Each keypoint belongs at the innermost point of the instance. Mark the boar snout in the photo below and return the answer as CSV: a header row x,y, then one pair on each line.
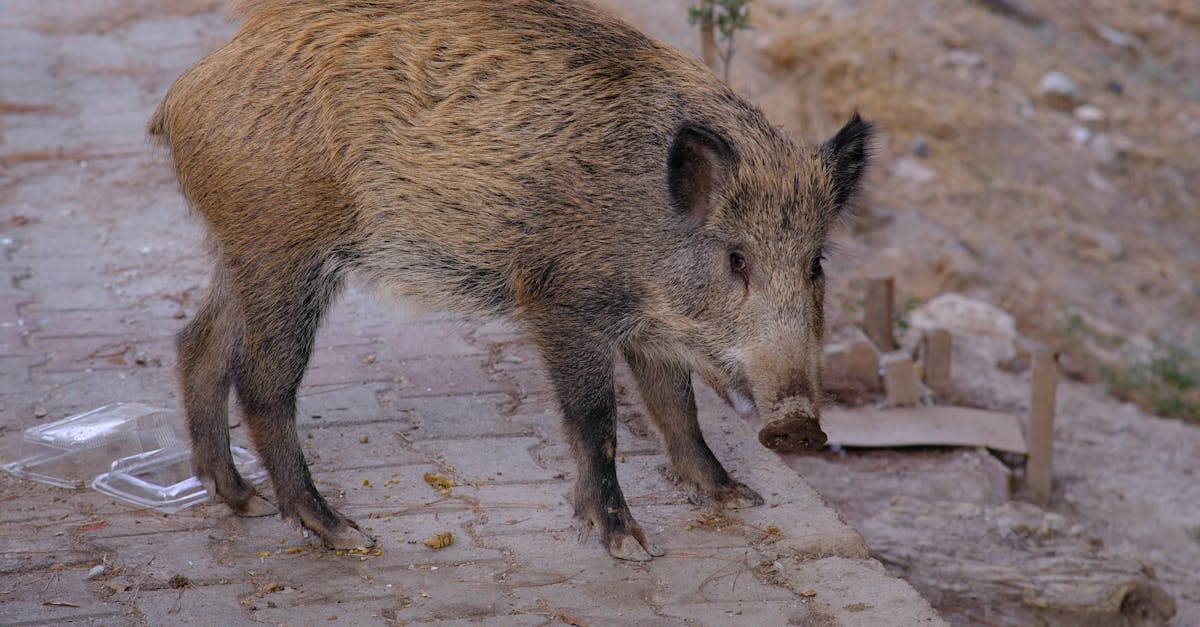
x,y
792,428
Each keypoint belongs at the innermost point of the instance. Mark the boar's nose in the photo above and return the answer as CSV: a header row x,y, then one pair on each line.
x,y
794,435
793,428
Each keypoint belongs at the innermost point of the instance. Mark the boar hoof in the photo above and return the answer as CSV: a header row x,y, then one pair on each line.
x,y
737,496
347,538
635,546
793,435
246,504
345,535
629,548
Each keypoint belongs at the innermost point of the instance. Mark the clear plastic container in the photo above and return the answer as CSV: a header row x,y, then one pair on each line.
x,y
70,452
163,479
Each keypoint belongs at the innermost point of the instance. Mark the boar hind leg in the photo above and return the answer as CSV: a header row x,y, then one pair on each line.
x,y
667,392
282,306
582,373
206,349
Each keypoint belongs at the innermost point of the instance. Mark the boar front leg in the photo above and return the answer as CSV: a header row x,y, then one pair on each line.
x,y
667,393
582,371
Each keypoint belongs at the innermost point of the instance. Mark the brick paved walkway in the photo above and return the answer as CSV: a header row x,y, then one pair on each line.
x,y
99,266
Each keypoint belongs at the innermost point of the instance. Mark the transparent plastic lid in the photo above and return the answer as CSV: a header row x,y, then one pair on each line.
x,y
162,479
68,453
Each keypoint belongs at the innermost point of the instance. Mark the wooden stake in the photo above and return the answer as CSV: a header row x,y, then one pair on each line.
x,y
937,361
1041,424
880,307
900,380
863,361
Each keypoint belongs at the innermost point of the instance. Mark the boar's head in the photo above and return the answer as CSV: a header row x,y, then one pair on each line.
x,y
747,300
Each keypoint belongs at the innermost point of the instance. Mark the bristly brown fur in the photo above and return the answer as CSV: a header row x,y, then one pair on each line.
x,y
538,159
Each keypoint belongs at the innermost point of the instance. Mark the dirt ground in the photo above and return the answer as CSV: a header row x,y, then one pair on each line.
x,y
1078,215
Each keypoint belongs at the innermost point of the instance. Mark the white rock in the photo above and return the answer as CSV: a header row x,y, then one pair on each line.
x,y
978,326
1089,113
909,169
963,314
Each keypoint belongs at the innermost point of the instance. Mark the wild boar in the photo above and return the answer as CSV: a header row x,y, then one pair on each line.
x,y
537,159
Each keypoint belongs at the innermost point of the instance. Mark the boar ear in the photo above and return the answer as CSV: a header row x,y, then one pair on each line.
x,y
699,167
846,155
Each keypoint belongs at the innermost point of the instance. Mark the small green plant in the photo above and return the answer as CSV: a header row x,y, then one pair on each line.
x,y
724,17
1168,383
902,316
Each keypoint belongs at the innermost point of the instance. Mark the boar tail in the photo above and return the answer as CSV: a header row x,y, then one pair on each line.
x,y
158,123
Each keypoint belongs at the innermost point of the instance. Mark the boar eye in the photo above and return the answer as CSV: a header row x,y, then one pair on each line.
x,y
739,266
817,271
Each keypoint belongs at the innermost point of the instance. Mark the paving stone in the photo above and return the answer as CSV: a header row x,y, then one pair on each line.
x,y
531,508
790,611
342,447
345,404
507,459
458,416
600,591
437,376
196,604
468,592
715,576
56,598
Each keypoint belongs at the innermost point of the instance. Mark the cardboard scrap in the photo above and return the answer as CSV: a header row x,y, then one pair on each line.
x,y
924,426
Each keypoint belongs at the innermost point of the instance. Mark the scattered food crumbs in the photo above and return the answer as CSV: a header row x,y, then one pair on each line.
x,y
809,593
439,540
264,553
292,550
362,439
272,587
570,620
622,459
366,482
439,482
773,530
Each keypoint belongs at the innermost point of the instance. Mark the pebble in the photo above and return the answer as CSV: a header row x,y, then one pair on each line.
x,y
1080,134
1059,90
1089,113
919,147
95,572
